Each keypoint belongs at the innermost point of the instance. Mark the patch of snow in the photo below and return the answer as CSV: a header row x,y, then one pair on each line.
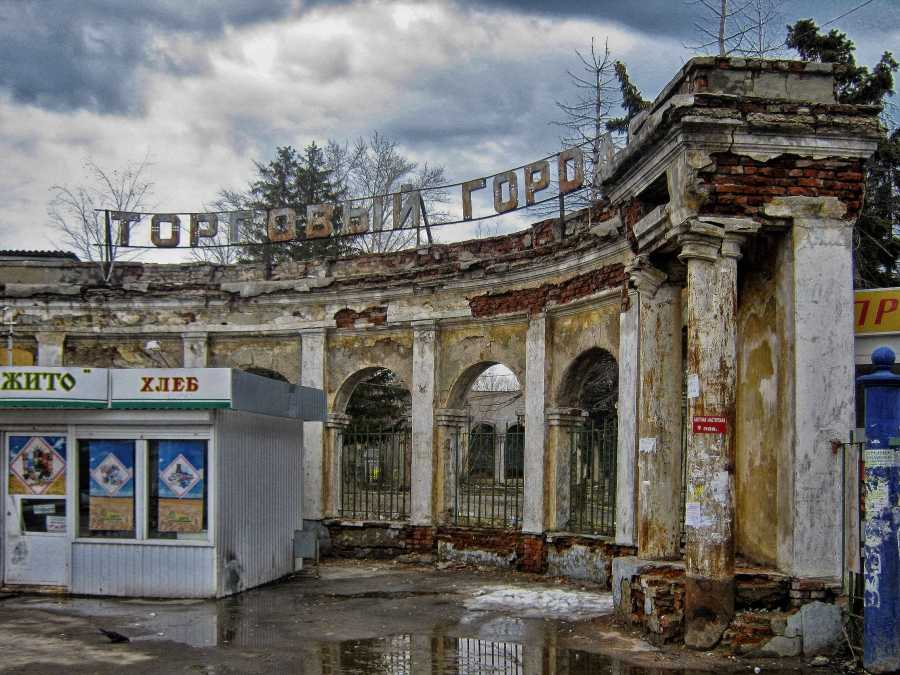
x,y
542,603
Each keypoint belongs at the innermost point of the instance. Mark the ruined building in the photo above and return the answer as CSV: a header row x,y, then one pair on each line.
x,y
716,275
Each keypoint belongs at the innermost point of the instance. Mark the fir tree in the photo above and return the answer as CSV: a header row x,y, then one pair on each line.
x,y
632,101
295,181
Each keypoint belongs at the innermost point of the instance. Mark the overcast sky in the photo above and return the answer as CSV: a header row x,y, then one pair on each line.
x,y
207,86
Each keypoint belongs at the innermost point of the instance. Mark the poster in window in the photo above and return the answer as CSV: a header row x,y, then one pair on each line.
x,y
182,469
112,485
37,465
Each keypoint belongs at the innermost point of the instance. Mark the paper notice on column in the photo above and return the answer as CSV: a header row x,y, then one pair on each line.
x,y
695,516
693,385
647,445
719,486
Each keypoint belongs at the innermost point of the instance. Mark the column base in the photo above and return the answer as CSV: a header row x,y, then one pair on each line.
x,y
708,610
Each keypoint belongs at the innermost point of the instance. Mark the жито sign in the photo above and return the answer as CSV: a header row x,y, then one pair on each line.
x,y
53,387
709,424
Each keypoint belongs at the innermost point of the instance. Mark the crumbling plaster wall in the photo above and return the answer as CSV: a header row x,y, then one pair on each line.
x,y
574,331
763,393
102,352
463,346
280,354
350,352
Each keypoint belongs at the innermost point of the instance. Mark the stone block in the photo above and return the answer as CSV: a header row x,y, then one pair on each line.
x,y
782,646
822,627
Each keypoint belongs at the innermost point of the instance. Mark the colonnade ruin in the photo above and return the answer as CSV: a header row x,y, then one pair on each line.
x,y
716,276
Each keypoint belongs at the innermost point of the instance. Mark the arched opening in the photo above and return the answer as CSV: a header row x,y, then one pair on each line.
x,y
591,385
374,445
488,453
379,402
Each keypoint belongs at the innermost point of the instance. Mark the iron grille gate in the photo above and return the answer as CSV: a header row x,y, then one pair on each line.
x,y
375,471
488,467
592,487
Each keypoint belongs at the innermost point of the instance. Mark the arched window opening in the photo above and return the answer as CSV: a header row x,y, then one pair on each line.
x,y
591,386
488,453
375,449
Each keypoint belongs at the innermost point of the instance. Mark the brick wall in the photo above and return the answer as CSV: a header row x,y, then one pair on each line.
x,y
378,540
373,316
742,185
534,300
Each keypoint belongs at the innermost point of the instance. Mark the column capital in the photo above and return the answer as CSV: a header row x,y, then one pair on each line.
x,y
337,421
645,277
731,245
50,337
312,332
699,247
422,325
194,335
565,417
450,417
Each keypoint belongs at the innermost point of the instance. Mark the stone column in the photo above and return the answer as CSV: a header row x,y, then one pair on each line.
x,y
561,422
312,374
50,348
626,452
535,395
422,476
820,285
336,424
711,258
195,350
450,423
659,414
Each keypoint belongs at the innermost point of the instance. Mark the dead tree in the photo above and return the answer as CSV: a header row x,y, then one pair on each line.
x,y
585,117
79,212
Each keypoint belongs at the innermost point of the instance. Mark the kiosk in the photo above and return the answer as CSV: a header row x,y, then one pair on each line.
x,y
153,483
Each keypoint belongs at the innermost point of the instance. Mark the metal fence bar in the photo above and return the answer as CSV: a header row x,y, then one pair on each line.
x,y
486,494
592,485
374,475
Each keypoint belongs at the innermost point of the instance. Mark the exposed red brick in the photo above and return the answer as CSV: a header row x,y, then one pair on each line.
x,y
534,300
347,318
746,192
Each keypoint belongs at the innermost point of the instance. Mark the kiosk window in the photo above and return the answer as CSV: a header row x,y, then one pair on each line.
x,y
177,489
44,515
106,488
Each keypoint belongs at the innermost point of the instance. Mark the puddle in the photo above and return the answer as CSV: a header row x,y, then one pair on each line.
x,y
398,622
409,654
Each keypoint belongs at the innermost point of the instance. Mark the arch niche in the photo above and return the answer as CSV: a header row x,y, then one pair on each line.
x,y
586,443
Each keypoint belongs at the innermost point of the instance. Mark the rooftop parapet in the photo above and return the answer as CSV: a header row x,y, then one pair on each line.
x,y
765,97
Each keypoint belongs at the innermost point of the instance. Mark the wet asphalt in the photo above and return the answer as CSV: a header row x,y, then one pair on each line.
x,y
350,617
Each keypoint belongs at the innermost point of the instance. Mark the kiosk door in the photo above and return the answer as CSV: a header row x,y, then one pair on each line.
x,y
37,548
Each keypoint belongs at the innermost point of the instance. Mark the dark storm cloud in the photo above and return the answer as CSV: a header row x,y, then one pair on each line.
x,y
667,17
88,54
85,54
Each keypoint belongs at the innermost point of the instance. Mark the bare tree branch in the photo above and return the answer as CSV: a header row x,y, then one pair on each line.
x,y
77,212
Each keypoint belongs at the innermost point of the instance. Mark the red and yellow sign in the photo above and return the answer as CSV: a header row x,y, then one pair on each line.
x,y
877,311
